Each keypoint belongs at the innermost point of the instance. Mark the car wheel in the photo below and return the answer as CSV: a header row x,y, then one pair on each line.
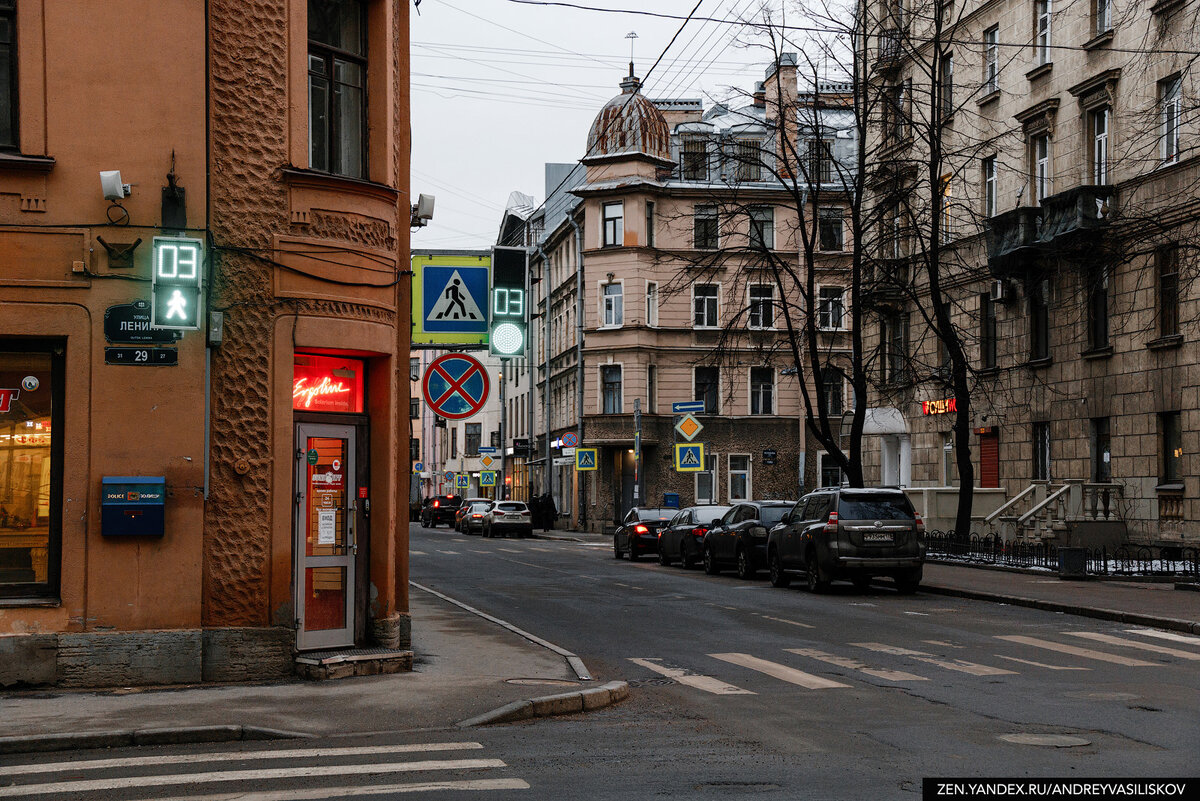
x,y
710,563
817,580
745,564
616,549
633,554
487,532
775,569
861,583
686,560
663,559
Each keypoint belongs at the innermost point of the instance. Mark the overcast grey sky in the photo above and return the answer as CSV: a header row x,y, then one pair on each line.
x,y
499,88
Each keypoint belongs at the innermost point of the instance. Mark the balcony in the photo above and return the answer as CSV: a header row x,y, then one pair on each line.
x,y
889,53
886,281
1060,226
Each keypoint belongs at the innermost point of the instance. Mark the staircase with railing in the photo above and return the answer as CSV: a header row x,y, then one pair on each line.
x,y
1049,511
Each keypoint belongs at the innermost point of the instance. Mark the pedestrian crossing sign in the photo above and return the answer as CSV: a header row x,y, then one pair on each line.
x,y
689,457
585,459
450,299
464,481
487,478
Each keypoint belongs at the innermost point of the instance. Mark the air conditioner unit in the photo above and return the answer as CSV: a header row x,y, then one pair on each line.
x,y
1000,291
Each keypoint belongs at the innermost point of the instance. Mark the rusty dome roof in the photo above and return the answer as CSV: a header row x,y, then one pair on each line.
x,y
629,124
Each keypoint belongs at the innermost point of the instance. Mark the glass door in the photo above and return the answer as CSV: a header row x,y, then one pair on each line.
x,y
325,536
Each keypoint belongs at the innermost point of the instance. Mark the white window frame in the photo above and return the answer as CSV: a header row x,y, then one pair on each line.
x,y
1102,17
757,306
824,313
768,243
620,392
1099,122
821,457
652,304
1170,108
730,473
617,238
717,313
1043,181
1043,11
751,390
612,306
991,60
989,186
712,463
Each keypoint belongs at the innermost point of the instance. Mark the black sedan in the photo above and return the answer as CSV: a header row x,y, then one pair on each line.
x,y
741,538
638,533
683,538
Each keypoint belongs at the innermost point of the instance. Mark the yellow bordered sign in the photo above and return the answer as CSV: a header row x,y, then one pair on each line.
x,y
487,478
586,459
689,457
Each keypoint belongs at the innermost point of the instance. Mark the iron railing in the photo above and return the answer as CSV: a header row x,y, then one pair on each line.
x,y
1124,560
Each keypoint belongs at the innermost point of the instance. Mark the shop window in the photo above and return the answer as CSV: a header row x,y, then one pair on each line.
x,y
31,465
337,86
327,384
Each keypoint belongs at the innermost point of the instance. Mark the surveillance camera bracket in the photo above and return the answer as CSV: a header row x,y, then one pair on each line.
x,y
119,255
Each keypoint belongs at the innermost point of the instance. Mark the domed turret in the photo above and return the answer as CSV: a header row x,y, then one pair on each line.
x,y
629,125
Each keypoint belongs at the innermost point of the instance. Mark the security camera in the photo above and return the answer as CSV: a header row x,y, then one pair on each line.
x,y
425,207
111,185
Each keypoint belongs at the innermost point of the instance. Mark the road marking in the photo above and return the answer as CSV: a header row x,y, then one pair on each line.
x,y
508,550
706,683
962,666
789,622
1165,635
781,672
922,614
542,550
449,553
1145,646
854,664
417,553
359,790
1041,664
942,644
235,756
212,777
1087,653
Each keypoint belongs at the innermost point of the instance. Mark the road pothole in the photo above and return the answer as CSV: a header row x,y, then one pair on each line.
x,y
544,682
1047,740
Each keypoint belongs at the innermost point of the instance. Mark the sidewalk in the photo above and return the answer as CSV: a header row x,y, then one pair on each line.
x,y
1151,603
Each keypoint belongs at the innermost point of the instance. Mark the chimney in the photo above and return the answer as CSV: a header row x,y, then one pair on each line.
x,y
760,95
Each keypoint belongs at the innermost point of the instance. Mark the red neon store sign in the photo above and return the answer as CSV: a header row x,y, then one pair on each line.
x,y
327,384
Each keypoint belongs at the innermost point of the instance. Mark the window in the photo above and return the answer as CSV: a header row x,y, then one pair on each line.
x,y
991,60
1101,451
893,341
949,460
707,388
1170,105
454,442
1041,36
614,224
31,465
895,111
705,228
414,408
337,85
649,223
989,186
706,481
414,369
947,209
1039,319
1098,153
762,228
829,223
1097,309
749,160
8,76
947,86
739,478
1101,16
610,381
1040,163
614,305
1171,435
831,471
494,438
651,388
831,382
830,308
762,306
820,161
471,437
1041,451
414,449
1167,268
704,305
693,156
651,303
987,332
762,390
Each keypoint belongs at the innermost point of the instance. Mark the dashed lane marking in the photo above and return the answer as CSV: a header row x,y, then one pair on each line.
x,y
1165,635
1145,646
960,665
706,683
508,550
789,622
781,672
358,790
417,553
1040,664
449,553
854,664
1087,653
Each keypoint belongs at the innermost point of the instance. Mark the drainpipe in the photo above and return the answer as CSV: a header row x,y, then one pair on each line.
x,y
579,354
548,479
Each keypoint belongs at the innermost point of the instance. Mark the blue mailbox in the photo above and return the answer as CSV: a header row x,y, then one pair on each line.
x,y
133,506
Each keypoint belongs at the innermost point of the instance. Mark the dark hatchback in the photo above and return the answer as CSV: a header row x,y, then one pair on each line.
x,y
741,538
440,509
854,534
683,538
638,532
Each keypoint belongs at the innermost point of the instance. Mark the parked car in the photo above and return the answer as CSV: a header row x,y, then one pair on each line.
x,y
740,539
440,509
683,537
469,516
503,517
855,534
638,532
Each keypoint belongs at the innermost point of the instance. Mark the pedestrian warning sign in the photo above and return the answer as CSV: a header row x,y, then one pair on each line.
x,y
487,478
689,457
454,303
450,299
585,459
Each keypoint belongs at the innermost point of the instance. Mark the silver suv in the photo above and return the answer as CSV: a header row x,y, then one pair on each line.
x,y
846,533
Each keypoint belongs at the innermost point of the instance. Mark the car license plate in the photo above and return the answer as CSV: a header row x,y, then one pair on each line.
x,y
878,536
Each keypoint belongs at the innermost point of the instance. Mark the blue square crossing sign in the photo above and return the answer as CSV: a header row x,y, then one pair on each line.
x,y
689,457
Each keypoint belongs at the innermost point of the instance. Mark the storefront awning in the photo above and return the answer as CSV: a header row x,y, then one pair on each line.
x,y
884,420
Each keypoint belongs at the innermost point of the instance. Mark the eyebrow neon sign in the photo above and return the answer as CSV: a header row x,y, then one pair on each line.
x,y
328,384
942,406
303,390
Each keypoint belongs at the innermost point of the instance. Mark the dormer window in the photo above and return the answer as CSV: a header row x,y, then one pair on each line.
x,y
749,160
693,158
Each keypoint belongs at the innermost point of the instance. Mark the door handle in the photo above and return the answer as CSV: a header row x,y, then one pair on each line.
x,y
351,533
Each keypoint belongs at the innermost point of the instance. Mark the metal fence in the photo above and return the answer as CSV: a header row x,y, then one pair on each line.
x,y
1125,560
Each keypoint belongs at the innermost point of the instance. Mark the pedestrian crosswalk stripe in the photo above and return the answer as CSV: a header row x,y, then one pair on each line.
x,y
854,664
1040,664
213,777
417,553
449,553
358,790
960,665
508,550
1075,651
789,622
706,683
235,756
781,672
1165,635
1145,646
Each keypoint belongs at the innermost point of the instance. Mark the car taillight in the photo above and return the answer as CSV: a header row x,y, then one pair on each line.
x,y
525,513
920,523
831,524
476,515
699,532
641,529
436,504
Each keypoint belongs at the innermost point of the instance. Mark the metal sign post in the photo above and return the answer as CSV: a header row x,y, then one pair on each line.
x,y
637,451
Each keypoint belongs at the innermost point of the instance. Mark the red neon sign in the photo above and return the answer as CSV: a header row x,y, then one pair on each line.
x,y
7,396
327,384
943,406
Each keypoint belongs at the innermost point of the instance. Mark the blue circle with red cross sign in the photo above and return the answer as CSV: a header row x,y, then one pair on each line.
x,y
455,386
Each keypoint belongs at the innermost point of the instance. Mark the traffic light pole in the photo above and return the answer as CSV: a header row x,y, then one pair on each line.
x,y
503,483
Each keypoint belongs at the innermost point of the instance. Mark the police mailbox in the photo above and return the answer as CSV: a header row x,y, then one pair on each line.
x,y
133,506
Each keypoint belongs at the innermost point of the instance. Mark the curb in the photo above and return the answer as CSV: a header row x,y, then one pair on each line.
x,y
177,735
549,705
1173,624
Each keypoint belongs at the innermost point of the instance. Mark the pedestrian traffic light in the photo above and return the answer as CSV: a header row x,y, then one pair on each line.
x,y
509,319
176,279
